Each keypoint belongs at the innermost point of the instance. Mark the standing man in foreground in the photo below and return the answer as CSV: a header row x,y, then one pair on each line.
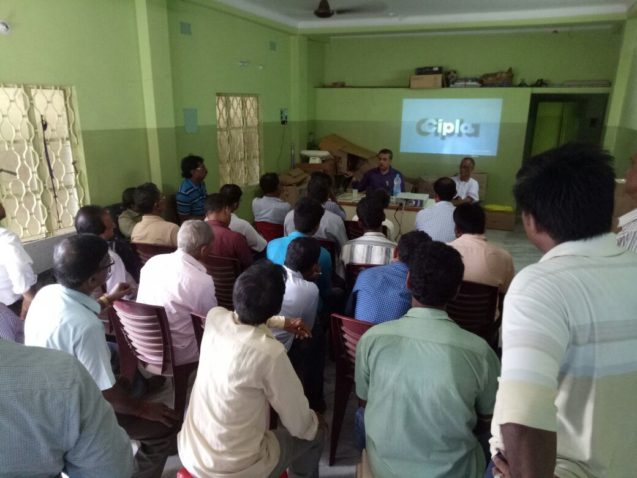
x,y
381,177
565,405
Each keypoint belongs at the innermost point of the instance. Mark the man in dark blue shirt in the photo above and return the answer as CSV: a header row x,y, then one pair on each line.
x,y
192,191
381,177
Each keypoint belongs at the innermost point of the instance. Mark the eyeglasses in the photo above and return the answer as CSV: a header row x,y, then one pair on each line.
x,y
108,267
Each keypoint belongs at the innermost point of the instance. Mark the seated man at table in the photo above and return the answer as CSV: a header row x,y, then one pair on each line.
x,y
484,262
372,247
437,220
179,283
381,177
380,293
227,243
63,316
270,208
331,227
243,369
256,242
307,217
467,188
153,229
426,378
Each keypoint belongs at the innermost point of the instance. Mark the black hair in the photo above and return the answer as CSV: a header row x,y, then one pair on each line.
x,y
386,151
269,183
569,191
302,254
258,292
146,196
469,218
216,202
77,258
370,213
470,159
189,163
409,242
435,273
128,198
232,192
307,215
319,186
379,195
445,188
88,220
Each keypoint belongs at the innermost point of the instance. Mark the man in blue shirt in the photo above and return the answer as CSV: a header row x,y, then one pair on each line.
x,y
307,217
192,191
380,293
381,177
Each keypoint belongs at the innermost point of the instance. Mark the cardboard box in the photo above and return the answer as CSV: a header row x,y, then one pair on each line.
x,y
349,156
328,166
501,220
291,194
425,81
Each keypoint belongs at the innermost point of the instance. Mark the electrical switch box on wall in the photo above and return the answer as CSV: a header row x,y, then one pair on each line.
x,y
284,116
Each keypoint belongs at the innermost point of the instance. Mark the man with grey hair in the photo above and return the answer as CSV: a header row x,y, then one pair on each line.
x,y
179,283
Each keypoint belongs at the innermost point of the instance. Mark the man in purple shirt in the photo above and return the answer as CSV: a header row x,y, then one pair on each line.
x,y
381,177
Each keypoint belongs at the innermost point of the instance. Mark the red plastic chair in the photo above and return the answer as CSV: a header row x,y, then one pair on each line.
x,y
143,336
474,309
224,272
269,230
346,332
146,251
354,230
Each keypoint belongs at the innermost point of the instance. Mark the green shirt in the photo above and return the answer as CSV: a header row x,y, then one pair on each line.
x,y
425,380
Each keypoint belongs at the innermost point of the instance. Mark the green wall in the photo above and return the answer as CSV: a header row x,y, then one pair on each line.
x,y
91,46
390,60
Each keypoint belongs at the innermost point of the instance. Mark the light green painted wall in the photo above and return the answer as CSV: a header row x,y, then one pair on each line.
x,y
372,118
91,45
390,60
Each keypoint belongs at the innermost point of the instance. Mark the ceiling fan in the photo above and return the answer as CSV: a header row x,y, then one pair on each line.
x,y
324,10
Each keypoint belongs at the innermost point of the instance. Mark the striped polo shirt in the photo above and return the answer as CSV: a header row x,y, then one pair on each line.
x,y
370,248
191,198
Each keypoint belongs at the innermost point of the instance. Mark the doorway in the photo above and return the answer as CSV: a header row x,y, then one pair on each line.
x,y
556,119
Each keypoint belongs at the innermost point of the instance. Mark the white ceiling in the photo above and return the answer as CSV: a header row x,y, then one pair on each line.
x,y
299,13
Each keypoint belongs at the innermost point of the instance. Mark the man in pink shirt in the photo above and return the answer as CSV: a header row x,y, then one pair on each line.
x,y
228,243
484,262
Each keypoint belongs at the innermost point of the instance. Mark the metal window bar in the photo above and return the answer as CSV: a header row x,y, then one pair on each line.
x,y
26,184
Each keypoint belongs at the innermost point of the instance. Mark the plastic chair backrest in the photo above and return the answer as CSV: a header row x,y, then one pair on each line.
x,y
346,334
474,309
269,230
146,251
198,324
352,271
224,272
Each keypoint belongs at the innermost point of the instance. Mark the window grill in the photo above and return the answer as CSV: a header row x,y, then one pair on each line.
x,y
40,194
238,139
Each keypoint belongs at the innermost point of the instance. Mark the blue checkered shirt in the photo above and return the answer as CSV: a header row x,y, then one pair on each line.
x,y
381,293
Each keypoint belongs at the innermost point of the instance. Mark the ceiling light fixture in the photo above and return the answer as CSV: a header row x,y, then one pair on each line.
x,y
5,28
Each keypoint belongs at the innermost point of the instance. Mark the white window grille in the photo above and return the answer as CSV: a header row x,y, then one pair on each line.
x,y
41,196
238,139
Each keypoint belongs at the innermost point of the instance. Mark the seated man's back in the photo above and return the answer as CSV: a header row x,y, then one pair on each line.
x,y
153,229
54,418
449,373
227,243
179,283
270,208
437,220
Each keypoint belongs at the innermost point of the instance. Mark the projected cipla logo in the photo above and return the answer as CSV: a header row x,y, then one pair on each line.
x,y
442,128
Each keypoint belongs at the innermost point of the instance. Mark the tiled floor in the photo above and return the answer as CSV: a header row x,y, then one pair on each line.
x,y
523,252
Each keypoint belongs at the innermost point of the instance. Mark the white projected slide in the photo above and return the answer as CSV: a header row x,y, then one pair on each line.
x,y
451,126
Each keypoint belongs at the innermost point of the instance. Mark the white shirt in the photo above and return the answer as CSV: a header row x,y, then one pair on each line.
x,y
370,248
569,362
65,319
300,301
331,228
242,368
437,221
179,283
16,273
627,237
391,229
118,272
270,209
466,189
256,242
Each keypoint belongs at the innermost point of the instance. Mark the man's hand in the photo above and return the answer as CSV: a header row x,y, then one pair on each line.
x,y
118,292
298,328
501,468
158,412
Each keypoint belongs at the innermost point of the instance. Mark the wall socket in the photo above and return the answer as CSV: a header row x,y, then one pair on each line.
x,y
284,116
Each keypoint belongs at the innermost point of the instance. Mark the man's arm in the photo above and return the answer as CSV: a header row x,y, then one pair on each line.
x,y
122,402
530,452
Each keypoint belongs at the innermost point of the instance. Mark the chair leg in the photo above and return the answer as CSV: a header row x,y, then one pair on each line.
x,y
180,383
343,388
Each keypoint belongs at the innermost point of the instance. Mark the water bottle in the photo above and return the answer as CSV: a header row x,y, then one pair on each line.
x,y
397,182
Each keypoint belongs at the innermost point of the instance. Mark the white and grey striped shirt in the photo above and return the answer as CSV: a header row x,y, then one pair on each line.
x,y
627,237
370,248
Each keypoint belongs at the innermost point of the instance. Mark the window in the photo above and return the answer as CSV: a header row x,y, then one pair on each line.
x,y
238,139
40,194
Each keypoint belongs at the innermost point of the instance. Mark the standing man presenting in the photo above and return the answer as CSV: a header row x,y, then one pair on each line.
x,y
467,188
382,177
565,405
